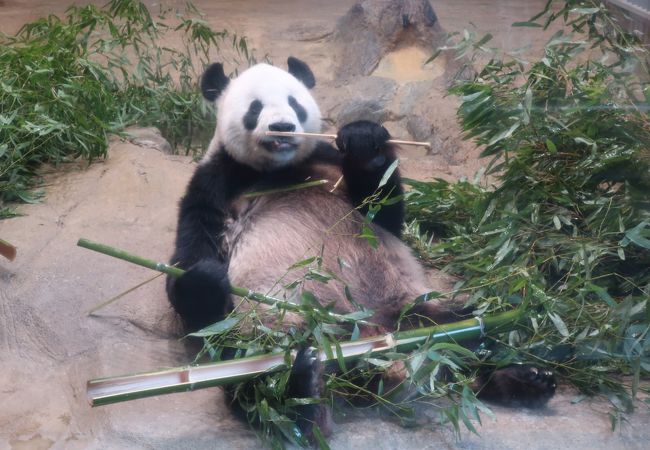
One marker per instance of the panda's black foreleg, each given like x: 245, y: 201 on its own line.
x: 367, y: 156
x: 517, y: 385
x: 201, y: 296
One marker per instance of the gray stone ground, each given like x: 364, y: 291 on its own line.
x: 50, y: 347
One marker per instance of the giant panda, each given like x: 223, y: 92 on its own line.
x: 224, y: 237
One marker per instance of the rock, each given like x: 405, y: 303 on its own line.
x: 371, y: 28
x: 367, y: 99
x: 149, y: 137
x: 308, y: 33
x: 380, y: 47
x: 419, y: 128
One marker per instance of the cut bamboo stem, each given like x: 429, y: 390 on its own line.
x: 176, y: 272
x: 7, y: 250
x: 105, y: 391
x: 333, y: 136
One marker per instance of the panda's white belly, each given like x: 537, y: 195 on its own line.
x: 272, y: 233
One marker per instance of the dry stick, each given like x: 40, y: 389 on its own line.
x: 105, y: 391
x: 176, y: 272
x: 96, y: 308
x: 333, y: 136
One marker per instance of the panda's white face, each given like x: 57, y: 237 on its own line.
x: 266, y: 98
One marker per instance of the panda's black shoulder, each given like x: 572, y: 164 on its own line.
x: 325, y: 153
x: 219, y: 179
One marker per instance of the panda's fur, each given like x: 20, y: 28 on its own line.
x: 224, y: 237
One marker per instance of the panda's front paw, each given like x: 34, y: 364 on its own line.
x: 364, y: 144
x: 520, y: 385
x: 201, y: 295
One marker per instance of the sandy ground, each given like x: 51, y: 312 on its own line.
x: 49, y: 346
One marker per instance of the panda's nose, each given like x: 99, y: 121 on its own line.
x: 282, y: 126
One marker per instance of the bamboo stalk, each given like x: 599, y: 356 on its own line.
x: 105, y: 391
x: 333, y: 136
x: 177, y: 272
x: 121, y: 254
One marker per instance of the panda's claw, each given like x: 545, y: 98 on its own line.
x: 520, y: 385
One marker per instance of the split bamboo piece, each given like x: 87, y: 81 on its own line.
x: 333, y: 136
x: 105, y: 391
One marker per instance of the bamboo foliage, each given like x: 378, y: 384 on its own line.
x: 566, y: 226
x: 108, y: 71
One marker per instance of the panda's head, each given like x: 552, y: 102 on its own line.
x: 264, y: 98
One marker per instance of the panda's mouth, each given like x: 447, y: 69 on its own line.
x: 279, y: 144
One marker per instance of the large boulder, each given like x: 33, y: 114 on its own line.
x: 372, y: 28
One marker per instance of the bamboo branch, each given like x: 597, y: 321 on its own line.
x: 176, y: 272
x: 104, y: 304
x: 333, y: 136
x: 293, y: 187
x: 105, y: 391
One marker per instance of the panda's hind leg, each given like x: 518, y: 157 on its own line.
x: 517, y: 385
x: 201, y: 296
x: 306, y: 381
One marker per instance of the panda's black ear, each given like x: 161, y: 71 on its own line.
x: 213, y: 81
x: 301, y: 71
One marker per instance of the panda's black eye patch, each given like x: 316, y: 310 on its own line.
x: 253, y: 113
x: 297, y: 107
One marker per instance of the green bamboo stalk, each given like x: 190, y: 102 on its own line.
x: 105, y: 391
x: 177, y: 272
x: 121, y: 254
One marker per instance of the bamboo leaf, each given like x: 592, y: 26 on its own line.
x: 219, y: 327
x: 526, y: 24
x: 585, y: 11
x: 639, y: 235
x: 484, y: 40
x: 388, y: 173
x: 504, y: 134
x: 551, y: 147
x: 369, y: 236
x: 602, y: 294
x: 559, y: 324
x: 303, y: 263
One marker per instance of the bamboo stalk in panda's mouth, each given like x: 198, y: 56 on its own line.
x: 333, y: 136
